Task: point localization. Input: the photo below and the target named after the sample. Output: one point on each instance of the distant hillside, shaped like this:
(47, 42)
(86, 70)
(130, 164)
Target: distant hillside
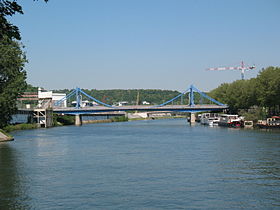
(116, 95)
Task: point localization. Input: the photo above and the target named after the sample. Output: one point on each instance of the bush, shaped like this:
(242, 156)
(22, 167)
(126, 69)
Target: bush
(63, 120)
(254, 114)
(11, 128)
(119, 119)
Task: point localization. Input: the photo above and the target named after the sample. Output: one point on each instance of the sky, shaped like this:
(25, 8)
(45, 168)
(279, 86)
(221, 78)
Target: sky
(147, 44)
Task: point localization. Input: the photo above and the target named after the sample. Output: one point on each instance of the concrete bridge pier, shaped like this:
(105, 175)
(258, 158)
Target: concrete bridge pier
(78, 120)
(192, 117)
(43, 117)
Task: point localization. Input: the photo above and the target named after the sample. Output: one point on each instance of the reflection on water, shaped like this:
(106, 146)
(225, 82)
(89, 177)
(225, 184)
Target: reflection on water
(159, 164)
(13, 194)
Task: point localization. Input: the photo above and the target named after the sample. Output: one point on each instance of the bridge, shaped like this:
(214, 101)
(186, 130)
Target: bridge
(44, 115)
(78, 110)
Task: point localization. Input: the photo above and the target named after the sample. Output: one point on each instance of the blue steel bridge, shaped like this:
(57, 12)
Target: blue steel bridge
(191, 107)
(44, 116)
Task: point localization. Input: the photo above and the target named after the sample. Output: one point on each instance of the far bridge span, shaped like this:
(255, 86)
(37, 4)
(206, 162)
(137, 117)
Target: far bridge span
(191, 107)
(43, 115)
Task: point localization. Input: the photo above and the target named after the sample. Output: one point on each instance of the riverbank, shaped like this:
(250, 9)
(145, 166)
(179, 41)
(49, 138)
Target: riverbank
(5, 133)
(24, 126)
(5, 136)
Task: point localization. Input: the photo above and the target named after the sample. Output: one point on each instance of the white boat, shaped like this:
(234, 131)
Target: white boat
(230, 120)
(248, 124)
(210, 119)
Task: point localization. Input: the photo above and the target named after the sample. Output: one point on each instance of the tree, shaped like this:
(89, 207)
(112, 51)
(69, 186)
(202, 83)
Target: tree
(7, 9)
(12, 78)
(268, 91)
(12, 60)
(262, 91)
(240, 94)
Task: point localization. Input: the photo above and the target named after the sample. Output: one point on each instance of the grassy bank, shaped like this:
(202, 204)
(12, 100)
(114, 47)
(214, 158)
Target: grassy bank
(114, 119)
(11, 128)
(97, 121)
(119, 119)
(61, 120)
(6, 133)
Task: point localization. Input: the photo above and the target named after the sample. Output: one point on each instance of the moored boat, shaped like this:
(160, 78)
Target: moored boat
(248, 124)
(273, 122)
(230, 120)
(210, 119)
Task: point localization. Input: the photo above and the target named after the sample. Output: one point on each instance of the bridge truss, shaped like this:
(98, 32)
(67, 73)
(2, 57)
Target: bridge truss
(191, 92)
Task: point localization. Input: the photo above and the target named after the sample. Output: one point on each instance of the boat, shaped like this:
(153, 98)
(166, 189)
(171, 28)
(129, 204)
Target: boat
(210, 119)
(230, 120)
(248, 124)
(273, 122)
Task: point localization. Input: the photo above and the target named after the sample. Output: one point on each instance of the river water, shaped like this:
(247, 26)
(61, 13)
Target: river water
(157, 164)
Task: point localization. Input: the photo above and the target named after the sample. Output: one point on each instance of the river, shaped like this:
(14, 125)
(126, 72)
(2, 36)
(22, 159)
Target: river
(156, 164)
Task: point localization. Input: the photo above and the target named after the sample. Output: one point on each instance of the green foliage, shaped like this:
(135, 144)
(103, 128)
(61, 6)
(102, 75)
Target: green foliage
(268, 83)
(263, 91)
(8, 9)
(12, 78)
(12, 60)
(11, 128)
(113, 96)
(30, 88)
(254, 113)
(120, 119)
(63, 120)
(238, 95)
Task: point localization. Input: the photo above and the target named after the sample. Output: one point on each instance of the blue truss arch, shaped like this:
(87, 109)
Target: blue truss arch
(190, 91)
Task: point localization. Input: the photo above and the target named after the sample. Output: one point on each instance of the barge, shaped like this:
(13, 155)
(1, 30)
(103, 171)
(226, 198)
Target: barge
(273, 122)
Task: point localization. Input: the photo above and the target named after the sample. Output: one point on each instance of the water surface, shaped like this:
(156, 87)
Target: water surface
(159, 164)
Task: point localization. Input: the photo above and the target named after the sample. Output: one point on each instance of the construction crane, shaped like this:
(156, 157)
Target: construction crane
(242, 68)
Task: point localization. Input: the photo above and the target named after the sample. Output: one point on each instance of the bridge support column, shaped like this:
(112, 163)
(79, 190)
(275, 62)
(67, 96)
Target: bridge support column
(43, 117)
(78, 120)
(192, 117)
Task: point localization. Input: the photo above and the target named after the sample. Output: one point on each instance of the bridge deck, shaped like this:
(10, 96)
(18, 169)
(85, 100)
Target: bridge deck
(171, 108)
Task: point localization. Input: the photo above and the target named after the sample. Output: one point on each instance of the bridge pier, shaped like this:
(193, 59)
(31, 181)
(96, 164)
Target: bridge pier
(192, 117)
(78, 120)
(43, 117)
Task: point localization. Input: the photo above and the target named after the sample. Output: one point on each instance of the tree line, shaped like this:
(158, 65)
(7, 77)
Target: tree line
(261, 94)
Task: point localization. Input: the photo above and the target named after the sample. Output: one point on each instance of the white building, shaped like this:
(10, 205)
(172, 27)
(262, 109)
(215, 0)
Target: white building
(48, 98)
(121, 103)
(85, 103)
(146, 103)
